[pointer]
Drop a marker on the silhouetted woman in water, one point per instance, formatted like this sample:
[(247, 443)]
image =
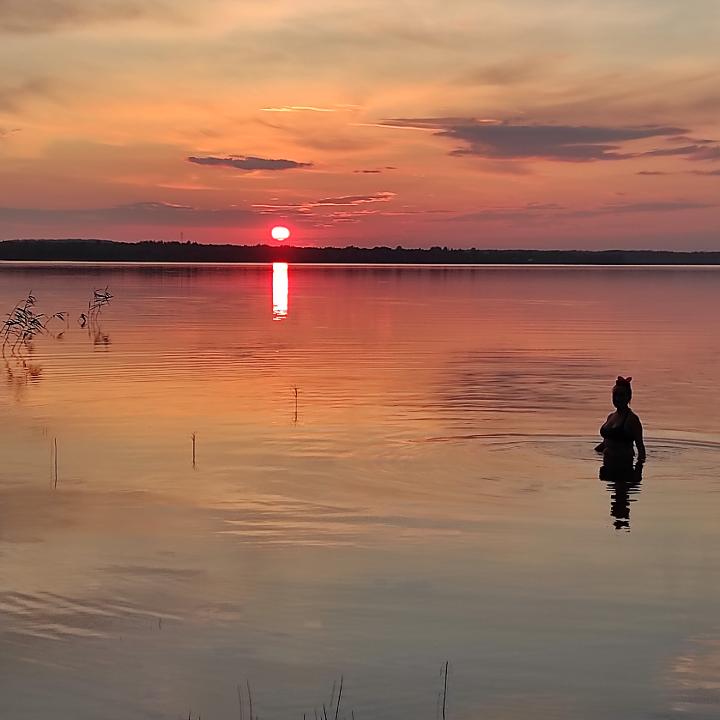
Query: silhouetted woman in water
[(620, 432)]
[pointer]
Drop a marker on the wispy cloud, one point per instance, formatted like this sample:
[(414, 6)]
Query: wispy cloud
[(683, 150), (410, 212), (321, 132), (516, 141), (658, 206), (249, 163), (6, 132), (522, 212), (699, 151), (141, 213), (509, 71), (701, 173), (298, 108), (39, 16), (14, 95), (355, 199), (342, 201), (375, 171), (706, 153), (547, 211)]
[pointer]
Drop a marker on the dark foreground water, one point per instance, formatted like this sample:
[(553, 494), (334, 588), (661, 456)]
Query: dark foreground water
[(433, 495)]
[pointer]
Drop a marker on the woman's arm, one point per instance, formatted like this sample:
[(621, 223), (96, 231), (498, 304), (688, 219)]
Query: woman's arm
[(638, 437)]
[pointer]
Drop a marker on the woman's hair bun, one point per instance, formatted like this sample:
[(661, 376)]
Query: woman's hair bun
[(623, 380)]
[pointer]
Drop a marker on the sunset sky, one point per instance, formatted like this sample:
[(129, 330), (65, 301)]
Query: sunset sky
[(488, 123)]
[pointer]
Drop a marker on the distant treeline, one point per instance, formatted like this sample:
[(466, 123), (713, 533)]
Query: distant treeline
[(156, 251)]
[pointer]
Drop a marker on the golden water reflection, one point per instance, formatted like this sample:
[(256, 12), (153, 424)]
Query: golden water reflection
[(280, 290)]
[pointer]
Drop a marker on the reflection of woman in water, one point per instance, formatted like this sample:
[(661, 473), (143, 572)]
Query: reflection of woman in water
[(620, 432), (621, 490)]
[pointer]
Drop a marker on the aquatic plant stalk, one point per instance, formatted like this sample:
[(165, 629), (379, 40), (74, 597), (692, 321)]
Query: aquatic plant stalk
[(444, 703)]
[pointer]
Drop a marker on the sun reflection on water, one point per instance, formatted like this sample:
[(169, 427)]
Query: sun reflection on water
[(280, 290)]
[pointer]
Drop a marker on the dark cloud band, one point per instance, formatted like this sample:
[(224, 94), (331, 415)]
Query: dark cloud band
[(565, 143), (249, 163)]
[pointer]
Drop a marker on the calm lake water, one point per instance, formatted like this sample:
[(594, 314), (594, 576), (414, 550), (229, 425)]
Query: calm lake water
[(433, 494)]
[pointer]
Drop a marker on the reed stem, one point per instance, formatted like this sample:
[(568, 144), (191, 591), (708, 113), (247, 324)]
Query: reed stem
[(445, 690)]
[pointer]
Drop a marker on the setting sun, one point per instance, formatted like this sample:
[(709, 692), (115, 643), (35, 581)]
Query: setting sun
[(280, 233)]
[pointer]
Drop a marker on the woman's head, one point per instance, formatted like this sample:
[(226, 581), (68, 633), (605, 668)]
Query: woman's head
[(622, 392)]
